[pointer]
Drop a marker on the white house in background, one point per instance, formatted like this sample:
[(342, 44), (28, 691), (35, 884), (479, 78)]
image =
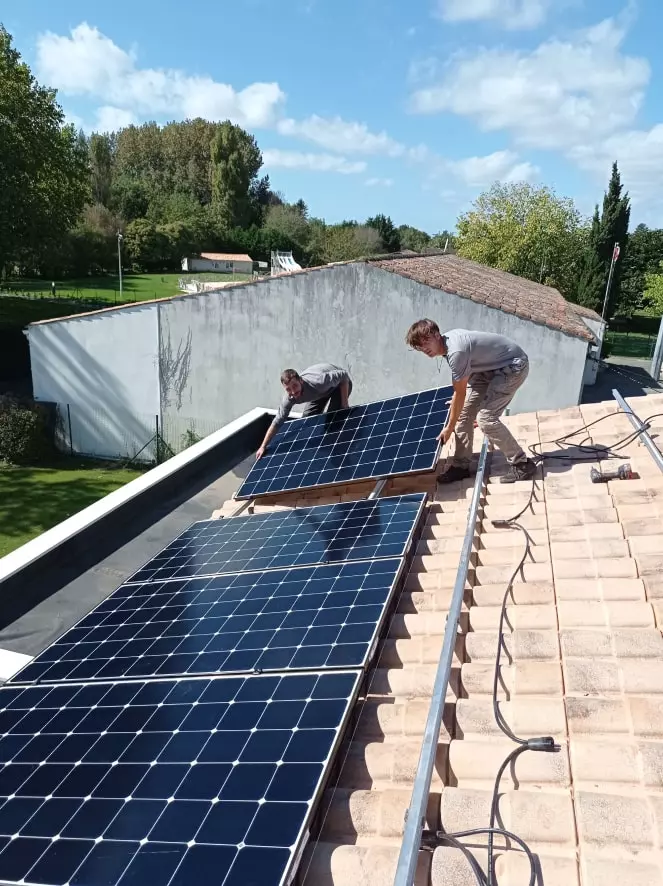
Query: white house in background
[(219, 263)]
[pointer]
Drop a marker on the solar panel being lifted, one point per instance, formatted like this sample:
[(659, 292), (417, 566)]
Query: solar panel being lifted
[(210, 782), (311, 617), (324, 534), (390, 437)]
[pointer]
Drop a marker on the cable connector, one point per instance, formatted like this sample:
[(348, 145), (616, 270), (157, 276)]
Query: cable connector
[(501, 524), (546, 743)]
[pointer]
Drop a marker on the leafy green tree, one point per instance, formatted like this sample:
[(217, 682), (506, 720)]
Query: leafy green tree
[(391, 240), (592, 275), (645, 252), (413, 238), (236, 161), (145, 245), (101, 148), (526, 230), (444, 240), (289, 221), (44, 173), (653, 294)]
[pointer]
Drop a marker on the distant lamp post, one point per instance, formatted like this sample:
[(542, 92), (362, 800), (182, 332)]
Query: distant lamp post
[(119, 258)]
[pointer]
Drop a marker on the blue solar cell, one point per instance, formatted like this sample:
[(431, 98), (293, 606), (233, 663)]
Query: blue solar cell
[(397, 436), (176, 804), (309, 617), (359, 530)]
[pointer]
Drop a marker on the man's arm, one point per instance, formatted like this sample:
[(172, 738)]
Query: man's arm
[(281, 415), (344, 389), (457, 403)]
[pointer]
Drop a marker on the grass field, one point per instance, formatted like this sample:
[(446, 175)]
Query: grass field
[(631, 344), (135, 287), (35, 499)]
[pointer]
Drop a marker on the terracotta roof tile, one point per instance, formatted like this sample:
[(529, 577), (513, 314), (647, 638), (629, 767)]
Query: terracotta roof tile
[(494, 288)]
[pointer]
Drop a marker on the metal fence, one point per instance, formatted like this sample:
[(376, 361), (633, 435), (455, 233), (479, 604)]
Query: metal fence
[(126, 436)]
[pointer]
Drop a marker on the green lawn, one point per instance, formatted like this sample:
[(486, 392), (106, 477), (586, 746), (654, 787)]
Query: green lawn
[(35, 499), (631, 344), (135, 287)]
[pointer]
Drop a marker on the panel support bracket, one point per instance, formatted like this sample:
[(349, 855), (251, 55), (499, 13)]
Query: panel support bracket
[(377, 489)]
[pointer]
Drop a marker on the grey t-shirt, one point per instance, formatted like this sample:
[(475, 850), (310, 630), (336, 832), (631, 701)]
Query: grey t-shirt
[(317, 382), (469, 352)]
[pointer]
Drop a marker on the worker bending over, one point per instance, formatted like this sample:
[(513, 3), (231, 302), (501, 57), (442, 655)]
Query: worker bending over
[(486, 371), (318, 386)]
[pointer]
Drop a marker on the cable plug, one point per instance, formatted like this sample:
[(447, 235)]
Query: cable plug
[(501, 524), (546, 743)]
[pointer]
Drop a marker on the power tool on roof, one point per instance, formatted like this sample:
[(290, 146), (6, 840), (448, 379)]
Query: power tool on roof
[(623, 472)]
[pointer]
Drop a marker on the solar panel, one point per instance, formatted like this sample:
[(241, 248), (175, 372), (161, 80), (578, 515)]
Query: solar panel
[(359, 530), (210, 782), (397, 436), (309, 617)]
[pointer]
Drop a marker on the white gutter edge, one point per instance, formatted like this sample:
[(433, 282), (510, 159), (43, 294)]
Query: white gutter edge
[(53, 538)]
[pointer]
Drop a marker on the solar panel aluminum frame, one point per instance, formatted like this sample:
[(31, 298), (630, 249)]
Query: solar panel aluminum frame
[(239, 496), (330, 765), (372, 643), (226, 520)]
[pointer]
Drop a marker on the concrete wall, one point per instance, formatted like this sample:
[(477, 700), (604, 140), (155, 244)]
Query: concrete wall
[(221, 353), (105, 367), (236, 342), (594, 351)]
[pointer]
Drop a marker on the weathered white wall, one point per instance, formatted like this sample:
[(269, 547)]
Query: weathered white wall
[(219, 267), (232, 345), (105, 367)]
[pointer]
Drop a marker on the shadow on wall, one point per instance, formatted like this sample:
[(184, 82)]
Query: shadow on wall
[(103, 424)]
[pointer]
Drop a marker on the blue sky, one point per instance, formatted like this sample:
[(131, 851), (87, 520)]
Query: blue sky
[(407, 108)]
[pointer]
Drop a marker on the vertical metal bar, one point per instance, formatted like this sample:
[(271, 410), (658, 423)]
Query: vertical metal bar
[(651, 447), (414, 823), (657, 359), (377, 489), (157, 440), (71, 439)]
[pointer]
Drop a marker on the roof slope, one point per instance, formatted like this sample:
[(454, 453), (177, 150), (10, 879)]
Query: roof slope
[(491, 287), (226, 256), (583, 662)]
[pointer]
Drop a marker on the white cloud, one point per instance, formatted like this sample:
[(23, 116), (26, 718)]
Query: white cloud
[(336, 134), (562, 94), (110, 119), (89, 63), (379, 182), (511, 14), (638, 153), (276, 159), (479, 172)]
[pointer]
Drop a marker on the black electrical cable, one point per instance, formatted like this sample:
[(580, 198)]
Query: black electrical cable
[(544, 744)]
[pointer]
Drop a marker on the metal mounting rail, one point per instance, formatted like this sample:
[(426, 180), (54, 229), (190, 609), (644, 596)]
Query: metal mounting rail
[(415, 817), (652, 448)]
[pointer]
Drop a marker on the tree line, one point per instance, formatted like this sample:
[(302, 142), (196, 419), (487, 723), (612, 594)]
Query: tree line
[(194, 186)]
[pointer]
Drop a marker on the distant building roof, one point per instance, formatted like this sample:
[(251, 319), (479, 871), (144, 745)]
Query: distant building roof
[(493, 288), (582, 311), (225, 256)]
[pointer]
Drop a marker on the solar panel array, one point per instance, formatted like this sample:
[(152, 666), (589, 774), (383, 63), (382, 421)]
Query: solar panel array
[(390, 437), (182, 732), (283, 619), (358, 530), (173, 783)]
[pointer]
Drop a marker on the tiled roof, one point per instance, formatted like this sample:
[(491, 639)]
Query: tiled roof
[(488, 286), (582, 311), (583, 662), (225, 256)]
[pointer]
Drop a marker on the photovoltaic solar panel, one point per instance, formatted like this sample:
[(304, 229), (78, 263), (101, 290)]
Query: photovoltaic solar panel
[(358, 530), (309, 617), (397, 436), (211, 782)]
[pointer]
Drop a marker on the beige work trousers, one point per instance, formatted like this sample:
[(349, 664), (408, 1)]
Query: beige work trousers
[(488, 395)]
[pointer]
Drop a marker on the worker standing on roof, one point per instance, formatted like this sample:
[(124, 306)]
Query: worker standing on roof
[(318, 386), (486, 372)]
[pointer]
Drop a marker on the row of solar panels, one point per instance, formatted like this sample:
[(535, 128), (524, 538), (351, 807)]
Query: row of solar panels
[(183, 731)]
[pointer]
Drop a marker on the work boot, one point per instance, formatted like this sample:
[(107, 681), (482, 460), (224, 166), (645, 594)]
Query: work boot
[(452, 474), (523, 470)]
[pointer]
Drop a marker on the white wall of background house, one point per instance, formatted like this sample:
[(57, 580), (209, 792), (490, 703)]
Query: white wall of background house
[(105, 366), (221, 353)]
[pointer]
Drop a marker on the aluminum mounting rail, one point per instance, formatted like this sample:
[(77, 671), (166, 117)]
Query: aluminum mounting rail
[(652, 448), (415, 817)]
